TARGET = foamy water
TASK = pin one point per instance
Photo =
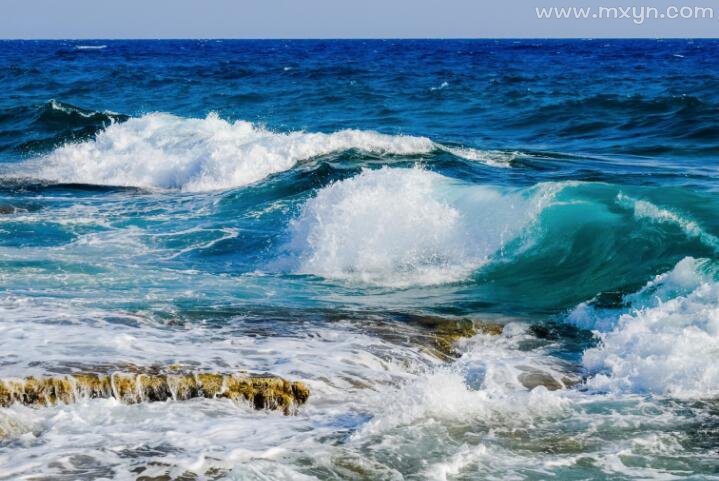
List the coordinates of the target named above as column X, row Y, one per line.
column 665, row 342
column 365, row 391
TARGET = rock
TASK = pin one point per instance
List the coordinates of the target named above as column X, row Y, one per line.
column 7, row 209
column 447, row 331
column 261, row 391
column 532, row 379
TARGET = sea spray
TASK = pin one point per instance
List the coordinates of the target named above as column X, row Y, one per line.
column 665, row 342
column 402, row 227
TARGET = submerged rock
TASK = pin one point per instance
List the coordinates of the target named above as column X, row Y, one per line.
column 533, row 377
column 435, row 335
column 261, row 391
column 447, row 331
column 7, row 209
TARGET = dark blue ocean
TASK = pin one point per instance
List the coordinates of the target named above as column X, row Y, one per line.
column 338, row 212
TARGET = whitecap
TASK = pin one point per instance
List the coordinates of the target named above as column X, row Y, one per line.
column 494, row 158
column 666, row 343
column 443, row 85
column 163, row 151
column 407, row 226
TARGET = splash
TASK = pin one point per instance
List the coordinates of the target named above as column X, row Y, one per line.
column 487, row 384
column 401, row 227
column 665, row 343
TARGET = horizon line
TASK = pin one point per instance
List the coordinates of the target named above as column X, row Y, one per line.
column 57, row 39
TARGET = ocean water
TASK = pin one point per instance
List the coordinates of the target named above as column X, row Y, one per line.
column 308, row 208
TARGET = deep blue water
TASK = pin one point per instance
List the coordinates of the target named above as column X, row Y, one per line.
column 651, row 99
column 281, row 190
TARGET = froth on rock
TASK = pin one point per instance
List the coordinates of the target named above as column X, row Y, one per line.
column 447, row 332
column 260, row 391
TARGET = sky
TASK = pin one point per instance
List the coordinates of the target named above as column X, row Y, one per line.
column 75, row 19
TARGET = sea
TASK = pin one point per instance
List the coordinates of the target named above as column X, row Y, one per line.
column 486, row 259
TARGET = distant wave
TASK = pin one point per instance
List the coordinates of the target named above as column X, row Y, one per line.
column 193, row 154
column 90, row 47
column 634, row 103
column 67, row 115
column 675, row 118
column 55, row 123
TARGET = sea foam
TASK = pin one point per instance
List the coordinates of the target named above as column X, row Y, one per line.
column 164, row 151
column 406, row 226
column 666, row 343
column 482, row 386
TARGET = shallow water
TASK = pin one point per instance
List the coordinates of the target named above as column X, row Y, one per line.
column 313, row 208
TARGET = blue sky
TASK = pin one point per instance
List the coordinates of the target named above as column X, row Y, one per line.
column 332, row 19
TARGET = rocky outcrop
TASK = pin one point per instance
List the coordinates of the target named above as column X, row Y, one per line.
column 260, row 391
column 445, row 332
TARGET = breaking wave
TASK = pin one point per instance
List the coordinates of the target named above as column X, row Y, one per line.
column 164, row 151
column 52, row 124
column 407, row 226
column 665, row 342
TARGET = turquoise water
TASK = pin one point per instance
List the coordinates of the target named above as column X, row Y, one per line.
column 305, row 207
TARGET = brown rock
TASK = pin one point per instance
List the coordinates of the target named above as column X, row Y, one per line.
column 260, row 391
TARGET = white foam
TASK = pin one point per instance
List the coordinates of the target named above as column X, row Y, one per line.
column 443, row 85
column 167, row 152
column 482, row 386
column 667, row 343
column 16, row 421
column 339, row 363
column 400, row 227
column 646, row 210
column 373, row 403
column 495, row 158
column 459, row 461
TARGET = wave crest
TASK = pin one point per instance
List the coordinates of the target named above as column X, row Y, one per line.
column 168, row 152
column 400, row 227
column 646, row 210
